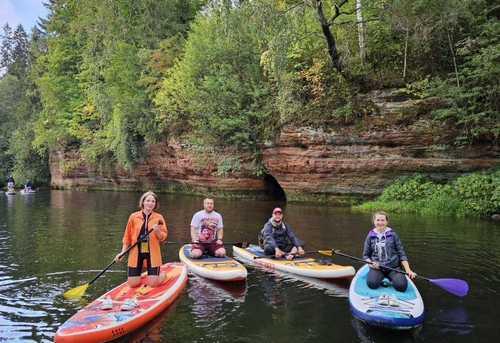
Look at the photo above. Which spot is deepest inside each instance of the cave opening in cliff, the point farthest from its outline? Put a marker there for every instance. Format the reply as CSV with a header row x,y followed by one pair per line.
x,y
273,188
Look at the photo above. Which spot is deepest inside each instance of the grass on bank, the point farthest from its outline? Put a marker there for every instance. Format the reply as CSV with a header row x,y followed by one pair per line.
x,y
472,195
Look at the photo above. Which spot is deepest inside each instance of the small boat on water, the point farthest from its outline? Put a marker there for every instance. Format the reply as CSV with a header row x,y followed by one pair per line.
x,y
303,266
123,309
214,268
27,191
10,192
385,306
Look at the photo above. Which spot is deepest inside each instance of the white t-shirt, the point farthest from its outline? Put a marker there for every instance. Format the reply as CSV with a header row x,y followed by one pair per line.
x,y
207,224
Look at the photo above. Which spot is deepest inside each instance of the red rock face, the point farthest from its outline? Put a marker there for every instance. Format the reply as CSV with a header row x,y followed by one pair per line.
x,y
332,165
169,167
389,138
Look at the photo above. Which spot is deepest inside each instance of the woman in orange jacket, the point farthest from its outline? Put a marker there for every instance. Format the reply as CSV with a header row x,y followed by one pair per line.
x,y
148,250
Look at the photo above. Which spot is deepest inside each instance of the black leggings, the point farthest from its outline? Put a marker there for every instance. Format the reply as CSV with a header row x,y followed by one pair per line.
x,y
140,261
375,277
269,248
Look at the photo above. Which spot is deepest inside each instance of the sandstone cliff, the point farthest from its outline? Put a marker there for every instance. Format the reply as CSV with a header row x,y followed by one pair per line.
x,y
170,167
388,137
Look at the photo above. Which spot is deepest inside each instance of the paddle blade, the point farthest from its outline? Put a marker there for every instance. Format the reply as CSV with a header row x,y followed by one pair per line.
x,y
326,252
77,292
457,287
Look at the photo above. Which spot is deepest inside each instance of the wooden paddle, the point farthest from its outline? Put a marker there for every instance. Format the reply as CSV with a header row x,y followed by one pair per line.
x,y
79,291
456,287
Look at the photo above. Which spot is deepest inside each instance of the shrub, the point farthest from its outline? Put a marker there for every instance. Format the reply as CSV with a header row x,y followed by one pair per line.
x,y
476,194
414,188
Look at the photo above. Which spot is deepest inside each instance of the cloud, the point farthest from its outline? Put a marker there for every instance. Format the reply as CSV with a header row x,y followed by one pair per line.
x,y
25,12
8,14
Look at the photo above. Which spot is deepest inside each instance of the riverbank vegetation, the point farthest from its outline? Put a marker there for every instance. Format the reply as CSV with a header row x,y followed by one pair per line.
x,y
108,78
473,195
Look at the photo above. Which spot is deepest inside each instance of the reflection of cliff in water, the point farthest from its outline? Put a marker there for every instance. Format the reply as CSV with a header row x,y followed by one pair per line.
x,y
336,288
436,328
215,301
370,334
450,321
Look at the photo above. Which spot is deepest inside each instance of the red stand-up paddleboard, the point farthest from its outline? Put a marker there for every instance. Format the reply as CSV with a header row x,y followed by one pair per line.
x,y
112,315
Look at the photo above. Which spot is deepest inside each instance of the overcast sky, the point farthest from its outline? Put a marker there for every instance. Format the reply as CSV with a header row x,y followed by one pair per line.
x,y
25,12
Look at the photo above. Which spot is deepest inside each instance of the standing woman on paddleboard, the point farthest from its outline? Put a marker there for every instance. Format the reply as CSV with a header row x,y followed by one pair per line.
x,y
384,248
150,228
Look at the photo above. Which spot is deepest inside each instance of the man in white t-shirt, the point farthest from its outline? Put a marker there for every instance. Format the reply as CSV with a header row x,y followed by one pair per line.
x,y
207,232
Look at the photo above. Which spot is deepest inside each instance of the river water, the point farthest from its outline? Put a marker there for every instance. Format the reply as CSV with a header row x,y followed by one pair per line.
x,y
53,241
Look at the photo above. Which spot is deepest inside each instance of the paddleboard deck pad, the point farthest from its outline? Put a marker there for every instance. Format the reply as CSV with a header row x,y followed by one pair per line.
x,y
385,306
95,323
303,266
214,268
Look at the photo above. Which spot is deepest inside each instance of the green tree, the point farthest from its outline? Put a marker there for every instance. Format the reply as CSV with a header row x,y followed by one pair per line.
x,y
94,85
216,91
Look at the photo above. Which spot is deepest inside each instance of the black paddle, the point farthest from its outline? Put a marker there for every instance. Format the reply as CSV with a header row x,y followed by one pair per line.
x,y
79,291
238,244
456,287
295,255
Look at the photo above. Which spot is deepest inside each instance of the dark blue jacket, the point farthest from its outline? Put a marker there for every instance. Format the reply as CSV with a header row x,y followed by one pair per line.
x,y
387,250
281,236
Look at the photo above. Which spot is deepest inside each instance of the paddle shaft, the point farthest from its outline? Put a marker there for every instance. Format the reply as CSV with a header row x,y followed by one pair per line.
x,y
338,252
124,253
456,287
224,243
294,255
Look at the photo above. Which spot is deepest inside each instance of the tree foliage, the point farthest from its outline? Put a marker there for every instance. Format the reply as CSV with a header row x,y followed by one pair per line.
x,y
108,78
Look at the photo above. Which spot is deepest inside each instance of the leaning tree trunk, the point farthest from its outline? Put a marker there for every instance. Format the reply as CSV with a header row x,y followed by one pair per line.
x,y
406,52
361,31
454,59
330,40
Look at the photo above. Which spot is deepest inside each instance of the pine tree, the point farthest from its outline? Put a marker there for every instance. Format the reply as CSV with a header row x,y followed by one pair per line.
x,y
20,53
6,49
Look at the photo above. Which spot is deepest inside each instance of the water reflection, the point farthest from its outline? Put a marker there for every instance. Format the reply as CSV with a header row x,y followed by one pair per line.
x,y
53,241
214,301
151,332
448,321
334,287
369,334
10,200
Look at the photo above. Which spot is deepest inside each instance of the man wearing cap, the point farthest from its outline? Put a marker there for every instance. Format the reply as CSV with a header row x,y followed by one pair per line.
x,y
277,238
207,232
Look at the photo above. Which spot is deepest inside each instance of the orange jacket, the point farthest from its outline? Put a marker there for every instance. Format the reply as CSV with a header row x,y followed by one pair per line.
x,y
134,225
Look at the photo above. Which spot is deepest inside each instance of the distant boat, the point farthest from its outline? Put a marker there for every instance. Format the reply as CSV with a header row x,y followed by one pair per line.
x,y
27,191
10,192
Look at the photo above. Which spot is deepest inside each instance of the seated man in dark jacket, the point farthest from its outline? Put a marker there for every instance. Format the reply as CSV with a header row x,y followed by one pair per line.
x,y
277,238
